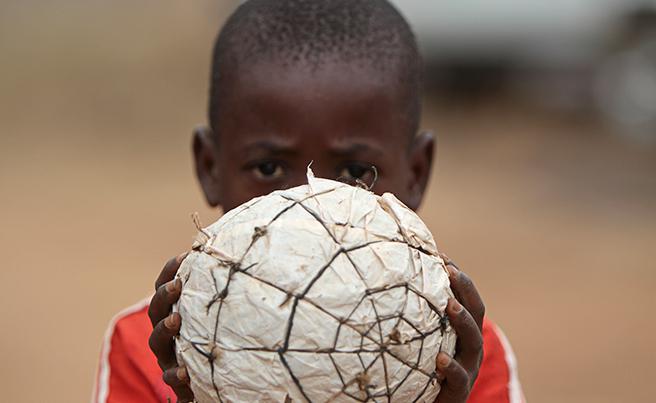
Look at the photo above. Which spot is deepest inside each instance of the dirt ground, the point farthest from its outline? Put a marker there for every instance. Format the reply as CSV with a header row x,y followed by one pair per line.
x,y
554,217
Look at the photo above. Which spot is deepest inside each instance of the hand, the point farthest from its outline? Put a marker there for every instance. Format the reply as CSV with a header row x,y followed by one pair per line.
x,y
465,313
166,326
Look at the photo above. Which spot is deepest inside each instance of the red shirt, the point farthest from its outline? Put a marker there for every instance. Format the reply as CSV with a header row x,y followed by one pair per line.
x,y
128,370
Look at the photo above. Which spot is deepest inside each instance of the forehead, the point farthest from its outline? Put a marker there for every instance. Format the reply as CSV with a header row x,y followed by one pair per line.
x,y
335,103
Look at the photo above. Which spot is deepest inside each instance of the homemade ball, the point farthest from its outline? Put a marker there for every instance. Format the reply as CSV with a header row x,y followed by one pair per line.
x,y
322,293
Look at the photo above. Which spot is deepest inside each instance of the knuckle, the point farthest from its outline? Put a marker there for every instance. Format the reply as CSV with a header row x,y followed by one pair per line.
x,y
464,380
159,293
479,362
481,309
155,341
477,343
464,314
168,266
153,307
469,381
474,372
163,292
472,376
171,262
152,343
465,280
459,320
464,318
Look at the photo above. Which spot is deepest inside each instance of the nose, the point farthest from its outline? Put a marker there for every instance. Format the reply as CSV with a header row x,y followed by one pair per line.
x,y
319,168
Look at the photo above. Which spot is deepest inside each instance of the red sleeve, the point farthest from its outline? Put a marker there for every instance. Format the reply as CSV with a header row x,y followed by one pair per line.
x,y
128,371
497,380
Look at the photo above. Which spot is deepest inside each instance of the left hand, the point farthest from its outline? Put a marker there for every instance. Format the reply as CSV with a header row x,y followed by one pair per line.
x,y
465,313
166,326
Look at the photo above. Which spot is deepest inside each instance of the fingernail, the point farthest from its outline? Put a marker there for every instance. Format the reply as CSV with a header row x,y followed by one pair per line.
x,y
182,374
170,286
172,321
443,360
456,307
181,257
174,286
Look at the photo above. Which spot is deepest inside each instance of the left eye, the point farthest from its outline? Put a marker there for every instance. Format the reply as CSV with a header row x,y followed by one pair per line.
x,y
268,170
355,171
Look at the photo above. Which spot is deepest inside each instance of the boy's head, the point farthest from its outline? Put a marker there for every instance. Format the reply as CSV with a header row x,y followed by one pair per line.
x,y
336,82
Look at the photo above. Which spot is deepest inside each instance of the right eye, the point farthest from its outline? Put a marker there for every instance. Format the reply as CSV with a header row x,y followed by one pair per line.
x,y
268,170
354,171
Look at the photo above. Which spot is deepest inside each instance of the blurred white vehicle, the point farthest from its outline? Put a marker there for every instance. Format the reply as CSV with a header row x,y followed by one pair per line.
x,y
608,46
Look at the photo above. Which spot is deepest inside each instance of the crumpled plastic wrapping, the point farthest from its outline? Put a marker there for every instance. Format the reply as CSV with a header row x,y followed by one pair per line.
x,y
322,293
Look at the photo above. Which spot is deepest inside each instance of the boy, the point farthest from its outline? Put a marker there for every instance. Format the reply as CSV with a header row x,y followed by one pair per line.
x,y
336,82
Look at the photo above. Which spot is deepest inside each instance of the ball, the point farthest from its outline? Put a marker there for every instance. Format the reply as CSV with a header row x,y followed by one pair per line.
x,y
322,293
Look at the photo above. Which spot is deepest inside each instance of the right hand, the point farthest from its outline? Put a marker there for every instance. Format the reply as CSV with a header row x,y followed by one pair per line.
x,y
466,312
166,325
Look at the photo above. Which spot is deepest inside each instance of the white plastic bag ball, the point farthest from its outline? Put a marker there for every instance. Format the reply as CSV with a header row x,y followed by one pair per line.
x,y
322,293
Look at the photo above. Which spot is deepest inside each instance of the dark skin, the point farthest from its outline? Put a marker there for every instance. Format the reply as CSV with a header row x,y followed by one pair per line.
x,y
345,120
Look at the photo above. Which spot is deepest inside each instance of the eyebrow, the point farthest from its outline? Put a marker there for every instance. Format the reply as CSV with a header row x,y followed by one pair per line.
x,y
355,148
274,147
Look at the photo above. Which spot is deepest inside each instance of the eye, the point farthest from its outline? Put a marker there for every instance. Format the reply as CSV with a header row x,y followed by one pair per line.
x,y
268,170
359,171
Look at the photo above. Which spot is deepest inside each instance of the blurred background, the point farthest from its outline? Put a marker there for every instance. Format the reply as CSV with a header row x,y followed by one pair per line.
x,y
544,189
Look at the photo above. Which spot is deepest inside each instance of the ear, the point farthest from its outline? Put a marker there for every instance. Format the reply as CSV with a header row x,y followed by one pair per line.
x,y
421,162
205,148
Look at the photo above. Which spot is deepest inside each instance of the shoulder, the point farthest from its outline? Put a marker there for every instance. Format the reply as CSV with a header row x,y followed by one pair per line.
x,y
127,367
497,380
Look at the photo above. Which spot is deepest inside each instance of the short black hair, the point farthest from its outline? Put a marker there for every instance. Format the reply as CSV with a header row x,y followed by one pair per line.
x,y
367,32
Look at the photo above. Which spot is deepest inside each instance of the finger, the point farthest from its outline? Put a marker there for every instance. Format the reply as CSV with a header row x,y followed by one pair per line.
x,y
465,291
170,268
162,342
470,340
164,298
456,384
178,379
